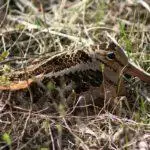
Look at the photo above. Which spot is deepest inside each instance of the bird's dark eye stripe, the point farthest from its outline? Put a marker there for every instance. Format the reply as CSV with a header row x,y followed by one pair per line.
x,y
111,55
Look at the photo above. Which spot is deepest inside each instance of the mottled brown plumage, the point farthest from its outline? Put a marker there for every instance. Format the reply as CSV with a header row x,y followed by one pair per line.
x,y
72,62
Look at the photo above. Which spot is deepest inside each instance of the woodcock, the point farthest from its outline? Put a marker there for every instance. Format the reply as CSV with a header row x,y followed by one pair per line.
x,y
101,68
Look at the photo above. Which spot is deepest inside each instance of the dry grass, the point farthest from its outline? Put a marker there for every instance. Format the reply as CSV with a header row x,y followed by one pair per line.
x,y
34,30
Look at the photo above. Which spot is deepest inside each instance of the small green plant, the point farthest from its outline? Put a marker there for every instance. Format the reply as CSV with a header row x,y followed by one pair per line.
x,y
61,109
6,138
125,38
4,55
141,115
44,148
59,128
46,125
142,106
100,11
39,22
51,86
4,80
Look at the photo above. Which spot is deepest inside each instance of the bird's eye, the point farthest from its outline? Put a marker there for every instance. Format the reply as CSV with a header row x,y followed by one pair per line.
x,y
111,55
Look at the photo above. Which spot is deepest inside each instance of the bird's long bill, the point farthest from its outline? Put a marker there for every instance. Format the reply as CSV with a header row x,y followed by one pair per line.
x,y
138,72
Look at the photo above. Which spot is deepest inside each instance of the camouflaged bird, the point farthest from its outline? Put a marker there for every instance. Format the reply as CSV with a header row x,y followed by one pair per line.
x,y
100,66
